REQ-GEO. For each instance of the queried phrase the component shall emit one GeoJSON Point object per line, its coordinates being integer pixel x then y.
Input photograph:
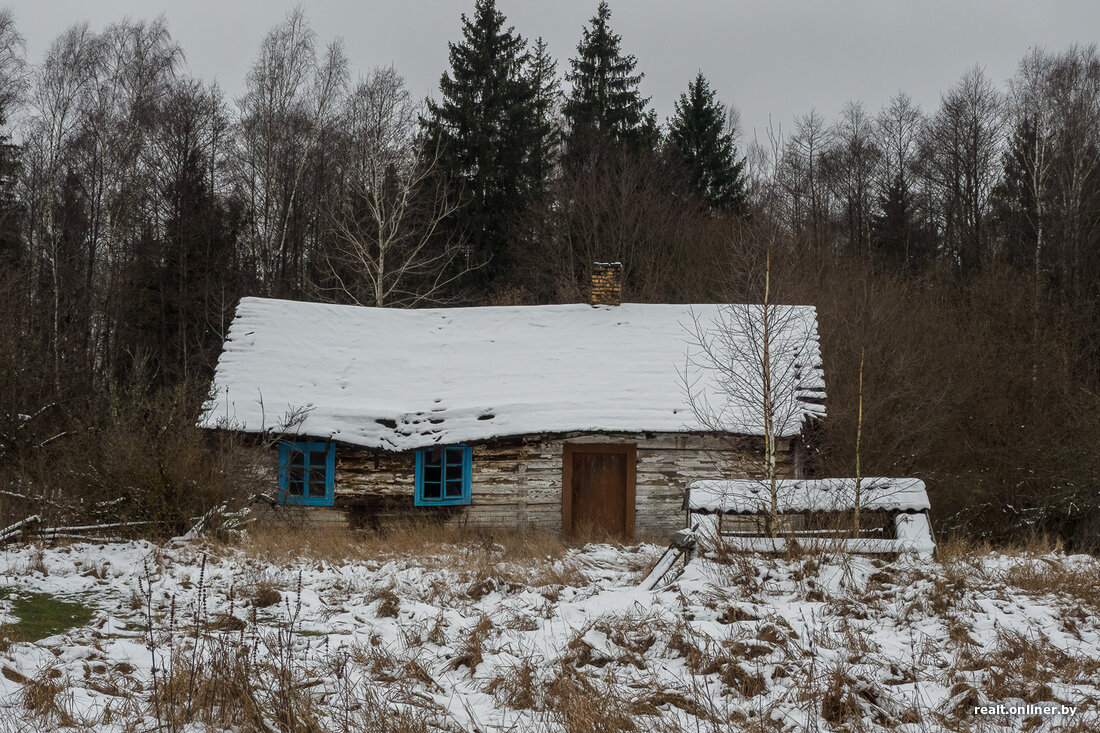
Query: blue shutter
{"type": "Point", "coordinates": [467, 461]}
{"type": "Point", "coordinates": [284, 459]}
{"type": "Point", "coordinates": [330, 475]}
{"type": "Point", "coordinates": [419, 479]}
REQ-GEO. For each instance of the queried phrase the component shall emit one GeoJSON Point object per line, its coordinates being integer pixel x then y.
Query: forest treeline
{"type": "Point", "coordinates": [954, 250]}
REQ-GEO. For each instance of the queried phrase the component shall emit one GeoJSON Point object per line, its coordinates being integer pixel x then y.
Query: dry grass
{"type": "Point", "coordinates": [221, 676]}
{"type": "Point", "coordinates": [516, 687]}
{"type": "Point", "coordinates": [956, 548]}
{"type": "Point", "coordinates": [41, 697]}
{"type": "Point", "coordinates": [217, 691]}
{"type": "Point", "coordinates": [472, 651]}
{"type": "Point", "coordinates": [422, 540]}
{"type": "Point", "coordinates": [1046, 576]}
{"type": "Point", "coordinates": [389, 666]}
{"type": "Point", "coordinates": [584, 703]}
{"type": "Point", "coordinates": [1024, 667]}
{"type": "Point", "coordinates": [389, 605]}
{"type": "Point", "coordinates": [501, 562]}
{"type": "Point", "coordinates": [264, 593]}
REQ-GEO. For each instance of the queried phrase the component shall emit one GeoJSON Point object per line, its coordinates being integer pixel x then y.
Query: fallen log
{"type": "Point", "coordinates": [13, 531]}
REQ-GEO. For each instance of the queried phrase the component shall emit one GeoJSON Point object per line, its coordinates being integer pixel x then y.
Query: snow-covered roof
{"type": "Point", "coordinates": [402, 379]}
{"type": "Point", "coordinates": [746, 496]}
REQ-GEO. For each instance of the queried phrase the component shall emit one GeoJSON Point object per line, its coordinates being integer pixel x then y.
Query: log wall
{"type": "Point", "coordinates": [516, 483]}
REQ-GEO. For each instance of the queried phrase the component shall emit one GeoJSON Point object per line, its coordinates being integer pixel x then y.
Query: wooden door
{"type": "Point", "coordinates": [598, 489]}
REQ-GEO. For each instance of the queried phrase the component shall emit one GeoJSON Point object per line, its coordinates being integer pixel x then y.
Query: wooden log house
{"type": "Point", "coordinates": [563, 417]}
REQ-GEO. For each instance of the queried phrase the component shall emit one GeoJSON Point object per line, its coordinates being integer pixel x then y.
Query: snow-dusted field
{"type": "Point", "coordinates": [464, 638]}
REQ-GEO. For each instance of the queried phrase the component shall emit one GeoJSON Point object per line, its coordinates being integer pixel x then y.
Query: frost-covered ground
{"type": "Point", "coordinates": [464, 638]}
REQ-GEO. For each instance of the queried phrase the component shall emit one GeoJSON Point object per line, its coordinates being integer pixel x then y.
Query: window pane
{"type": "Point", "coordinates": [454, 487]}
{"type": "Point", "coordinates": [295, 480]}
{"type": "Point", "coordinates": [318, 458]}
{"type": "Point", "coordinates": [454, 458]}
{"type": "Point", "coordinates": [296, 458]}
{"type": "Point", "coordinates": [430, 491]}
{"type": "Point", "coordinates": [433, 474]}
{"type": "Point", "coordinates": [317, 482]}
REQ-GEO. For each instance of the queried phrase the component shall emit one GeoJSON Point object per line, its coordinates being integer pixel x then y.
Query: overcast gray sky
{"type": "Point", "coordinates": [770, 58]}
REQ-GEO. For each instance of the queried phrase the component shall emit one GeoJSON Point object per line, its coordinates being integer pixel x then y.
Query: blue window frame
{"type": "Point", "coordinates": [307, 472]}
{"type": "Point", "coordinates": [443, 475]}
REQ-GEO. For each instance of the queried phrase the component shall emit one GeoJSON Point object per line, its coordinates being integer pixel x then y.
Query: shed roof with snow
{"type": "Point", "coordinates": [403, 379]}
{"type": "Point", "coordinates": [747, 496]}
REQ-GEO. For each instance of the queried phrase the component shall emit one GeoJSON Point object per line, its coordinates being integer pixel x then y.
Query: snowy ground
{"type": "Point", "coordinates": [464, 639]}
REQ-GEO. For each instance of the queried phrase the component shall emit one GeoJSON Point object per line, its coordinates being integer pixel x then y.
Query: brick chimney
{"type": "Point", "coordinates": [607, 283]}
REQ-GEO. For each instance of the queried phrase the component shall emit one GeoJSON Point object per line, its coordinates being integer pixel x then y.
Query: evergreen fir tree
{"type": "Point", "coordinates": [174, 282]}
{"type": "Point", "coordinates": [11, 209]}
{"type": "Point", "coordinates": [547, 132]}
{"type": "Point", "coordinates": [896, 231]}
{"type": "Point", "coordinates": [699, 137]}
{"type": "Point", "coordinates": [484, 128]}
{"type": "Point", "coordinates": [605, 102]}
{"type": "Point", "coordinates": [1013, 198]}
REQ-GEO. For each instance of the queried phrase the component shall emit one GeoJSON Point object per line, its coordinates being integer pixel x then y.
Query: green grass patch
{"type": "Point", "coordinates": [40, 615]}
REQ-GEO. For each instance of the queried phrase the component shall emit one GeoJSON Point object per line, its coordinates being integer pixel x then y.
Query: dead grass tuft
{"type": "Point", "coordinates": [959, 548]}
{"type": "Point", "coordinates": [1024, 667]}
{"type": "Point", "coordinates": [949, 589]}
{"type": "Point", "coordinates": [386, 666]}
{"type": "Point", "coordinates": [389, 604]}
{"type": "Point", "coordinates": [473, 646]}
{"type": "Point", "coordinates": [690, 705]}
{"type": "Point", "coordinates": [264, 594]}
{"type": "Point", "coordinates": [219, 691]}
{"type": "Point", "coordinates": [849, 700]}
{"type": "Point", "coordinates": [1046, 575]}
{"type": "Point", "coordinates": [516, 687]}
{"type": "Point", "coordinates": [585, 704]}
{"type": "Point", "coordinates": [40, 696]}
{"type": "Point", "coordinates": [684, 641]}
{"type": "Point", "coordinates": [735, 614]}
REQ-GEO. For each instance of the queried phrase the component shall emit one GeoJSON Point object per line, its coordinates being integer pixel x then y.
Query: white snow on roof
{"type": "Point", "coordinates": [746, 496]}
{"type": "Point", "coordinates": [403, 379]}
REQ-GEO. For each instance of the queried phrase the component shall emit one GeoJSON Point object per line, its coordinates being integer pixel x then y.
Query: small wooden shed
{"type": "Point", "coordinates": [894, 513]}
{"type": "Point", "coordinates": [565, 417]}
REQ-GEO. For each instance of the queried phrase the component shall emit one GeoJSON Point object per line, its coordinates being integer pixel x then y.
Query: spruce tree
{"type": "Point", "coordinates": [896, 230]}
{"type": "Point", "coordinates": [605, 102]}
{"type": "Point", "coordinates": [483, 129]}
{"type": "Point", "coordinates": [698, 136]}
{"type": "Point", "coordinates": [546, 141]}
{"type": "Point", "coordinates": [1015, 209]}
{"type": "Point", "coordinates": [11, 209]}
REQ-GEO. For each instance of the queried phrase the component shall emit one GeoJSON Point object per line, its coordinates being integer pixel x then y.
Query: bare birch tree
{"type": "Point", "coordinates": [960, 148]}
{"type": "Point", "coordinates": [850, 165]}
{"type": "Point", "coordinates": [1031, 104]}
{"type": "Point", "coordinates": [802, 178]}
{"type": "Point", "coordinates": [138, 61]}
{"type": "Point", "coordinates": [898, 131]}
{"type": "Point", "coordinates": [58, 95]}
{"type": "Point", "coordinates": [1075, 83]}
{"type": "Point", "coordinates": [290, 101]}
{"type": "Point", "coordinates": [745, 374]}
{"type": "Point", "coordinates": [13, 65]}
{"type": "Point", "coordinates": [389, 247]}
